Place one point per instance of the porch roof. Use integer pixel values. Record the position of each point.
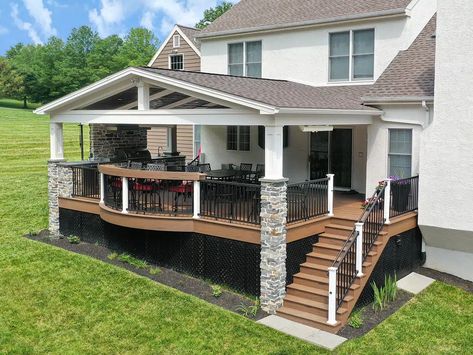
(186, 90)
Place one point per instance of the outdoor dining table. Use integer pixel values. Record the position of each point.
(227, 174)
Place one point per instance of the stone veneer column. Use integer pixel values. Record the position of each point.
(59, 185)
(273, 244)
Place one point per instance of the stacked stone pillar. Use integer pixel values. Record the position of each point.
(273, 244)
(59, 185)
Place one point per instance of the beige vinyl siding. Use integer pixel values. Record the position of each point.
(191, 59)
(157, 137)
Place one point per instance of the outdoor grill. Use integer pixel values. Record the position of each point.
(138, 155)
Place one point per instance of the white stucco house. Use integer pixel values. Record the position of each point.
(302, 115)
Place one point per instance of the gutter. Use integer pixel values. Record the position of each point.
(373, 100)
(402, 12)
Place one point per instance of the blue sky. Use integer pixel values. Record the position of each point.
(34, 21)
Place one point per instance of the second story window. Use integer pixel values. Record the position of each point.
(351, 55)
(176, 62)
(244, 59)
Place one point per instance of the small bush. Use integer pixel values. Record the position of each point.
(112, 256)
(249, 311)
(385, 294)
(73, 239)
(379, 297)
(154, 270)
(390, 284)
(216, 290)
(356, 319)
(131, 260)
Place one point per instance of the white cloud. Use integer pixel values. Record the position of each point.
(41, 15)
(3, 30)
(25, 26)
(108, 17)
(147, 20)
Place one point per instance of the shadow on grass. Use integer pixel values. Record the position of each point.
(10, 103)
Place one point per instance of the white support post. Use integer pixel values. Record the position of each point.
(196, 199)
(273, 152)
(359, 249)
(56, 136)
(143, 96)
(332, 296)
(102, 188)
(124, 195)
(330, 194)
(387, 201)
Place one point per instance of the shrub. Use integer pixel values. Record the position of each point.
(112, 256)
(73, 239)
(131, 260)
(356, 319)
(154, 270)
(216, 290)
(249, 311)
(379, 297)
(390, 284)
(385, 294)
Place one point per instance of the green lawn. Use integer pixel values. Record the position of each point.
(53, 301)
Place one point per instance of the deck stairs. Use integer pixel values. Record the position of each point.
(306, 300)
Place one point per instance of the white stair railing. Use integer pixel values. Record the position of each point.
(125, 198)
(387, 201)
(330, 194)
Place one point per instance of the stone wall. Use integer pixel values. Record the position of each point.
(104, 142)
(59, 185)
(273, 244)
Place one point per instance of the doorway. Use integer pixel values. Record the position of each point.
(331, 153)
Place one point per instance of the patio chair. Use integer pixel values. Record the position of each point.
(192, 168)
(204, 168)
(135, 165)
(246, 167)
(259, 173)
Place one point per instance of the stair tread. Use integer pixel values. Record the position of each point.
(316, 291)
(339, 226)
(322, 256)
(323, 280)
(305, 315)
(311, 303)
(333, 236)
(328, 246)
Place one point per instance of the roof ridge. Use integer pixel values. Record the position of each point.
(189, 27)
(217, 74)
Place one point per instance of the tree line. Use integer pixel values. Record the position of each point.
(42, 73)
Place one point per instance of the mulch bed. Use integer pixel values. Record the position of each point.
(446, 278)
(187, 284)
(371, 319)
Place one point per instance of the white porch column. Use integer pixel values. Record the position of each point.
(273, 223)
(143, 96)
(56, 137)
(273, 152)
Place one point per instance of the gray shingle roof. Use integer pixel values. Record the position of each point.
(250, 15)
(276, 93)
(191, 33)
(412, 72)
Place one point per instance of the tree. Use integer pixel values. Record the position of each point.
(138, 48)
(103, 58)
(210, 15)
(11, 82)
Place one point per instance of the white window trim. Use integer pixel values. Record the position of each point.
(176, 41)
(388, 168)
(244, 56)
(238, 140)
(175, 55)
(351, 79)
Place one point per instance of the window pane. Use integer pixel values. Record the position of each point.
(340, 44)
(339, 68)
(245, 138)
(235, 53)
(235, 69)
(363, 66)
(363, 42)
(400, 166)
(400, 141)
(253, 52)
(232, 138)
(253, 70)
(177, 62)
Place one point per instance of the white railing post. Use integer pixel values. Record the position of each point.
(196, 199)
(332, 296)
(359, 249)
(124, 195)
(330, 194)
(102, 188)
(387, 201)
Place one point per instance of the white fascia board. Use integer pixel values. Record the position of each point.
(209, 117)
(323, 120)
(309, 111)
(56, 104)
(373, 100)
(169, 37)
(159, 80)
